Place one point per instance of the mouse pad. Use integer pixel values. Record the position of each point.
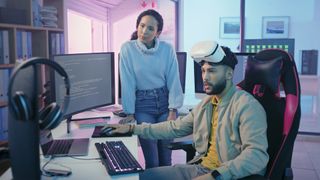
(97, 129)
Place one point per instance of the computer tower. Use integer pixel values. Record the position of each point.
(309, 62)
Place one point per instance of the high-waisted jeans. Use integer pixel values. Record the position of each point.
(151, 106)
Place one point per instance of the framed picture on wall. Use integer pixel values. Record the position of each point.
(230, 27)
(275, 27)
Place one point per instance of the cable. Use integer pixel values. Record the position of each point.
(44, 172)
(84, 158)
(55, 172)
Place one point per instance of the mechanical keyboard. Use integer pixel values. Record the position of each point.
(117, 159)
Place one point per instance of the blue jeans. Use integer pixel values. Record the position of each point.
(152, 107)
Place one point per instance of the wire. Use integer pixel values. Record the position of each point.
(84, 158)
(47, 173)
(44, 172)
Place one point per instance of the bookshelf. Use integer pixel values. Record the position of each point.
(20, 29)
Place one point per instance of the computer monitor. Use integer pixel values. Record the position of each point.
(182, 63)
(238, 75)
(92, 81)
(256, 45)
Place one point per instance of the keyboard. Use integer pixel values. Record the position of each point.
(117, 159)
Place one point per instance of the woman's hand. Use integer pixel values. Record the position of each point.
(172, 115)
(128, 120)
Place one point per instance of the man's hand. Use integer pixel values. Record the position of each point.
(128, 120)
(117, 128)
(172, 115)
(204, 177)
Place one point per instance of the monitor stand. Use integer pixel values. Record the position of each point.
(68, 124)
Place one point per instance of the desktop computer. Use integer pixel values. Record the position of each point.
(92, 81)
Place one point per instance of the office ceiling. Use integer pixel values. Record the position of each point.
(108, 3)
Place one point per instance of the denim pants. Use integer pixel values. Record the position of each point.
(151, 106)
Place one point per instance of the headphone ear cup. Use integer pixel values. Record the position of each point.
(50, 116)
(21, 106)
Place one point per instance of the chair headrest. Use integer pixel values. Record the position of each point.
(264, 72)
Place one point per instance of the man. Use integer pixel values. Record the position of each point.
(228, 126)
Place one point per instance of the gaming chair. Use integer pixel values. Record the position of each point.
(267, 73)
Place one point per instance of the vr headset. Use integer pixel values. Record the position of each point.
(209, 51)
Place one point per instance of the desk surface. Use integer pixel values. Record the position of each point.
(86, 169)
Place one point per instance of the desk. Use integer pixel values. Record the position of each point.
(310, 85)
(87, 169)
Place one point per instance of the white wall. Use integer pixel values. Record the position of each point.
(200, 21)
(87, 8)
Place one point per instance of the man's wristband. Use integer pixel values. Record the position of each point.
(216, 175)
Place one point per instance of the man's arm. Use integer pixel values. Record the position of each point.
(180, 127)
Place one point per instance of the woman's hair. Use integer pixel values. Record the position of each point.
(149, 12)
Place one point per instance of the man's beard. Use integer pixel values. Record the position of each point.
(217, 88)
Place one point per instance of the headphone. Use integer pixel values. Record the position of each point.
(20, 105)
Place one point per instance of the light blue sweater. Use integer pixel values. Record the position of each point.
(142, 69)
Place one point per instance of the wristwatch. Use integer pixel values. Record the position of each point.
(216, 175)
(172, 109)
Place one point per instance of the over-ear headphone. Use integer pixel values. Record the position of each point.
(20, 105)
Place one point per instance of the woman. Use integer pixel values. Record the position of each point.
(151, 90)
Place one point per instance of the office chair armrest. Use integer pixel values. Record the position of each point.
(186, 146)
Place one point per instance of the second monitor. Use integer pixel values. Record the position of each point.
(92, 81)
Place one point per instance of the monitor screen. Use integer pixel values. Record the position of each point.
(238, 74)
(182, 63)
(256, 45)
(91, 78)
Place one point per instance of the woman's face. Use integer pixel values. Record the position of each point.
(147, 30)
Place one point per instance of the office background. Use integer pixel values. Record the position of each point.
(186, 22)
(100, 26)
(103, 25)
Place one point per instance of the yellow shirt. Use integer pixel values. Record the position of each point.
(211, 160)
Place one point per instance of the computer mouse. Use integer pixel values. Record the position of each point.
(107, 131)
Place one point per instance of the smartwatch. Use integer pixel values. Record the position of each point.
(216, 175)
(172, 109)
